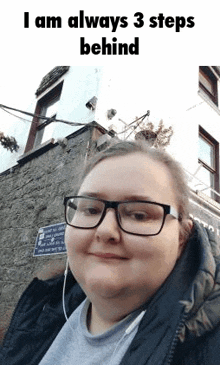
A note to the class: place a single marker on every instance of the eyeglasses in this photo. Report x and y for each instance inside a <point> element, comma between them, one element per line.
<point>142,218</point>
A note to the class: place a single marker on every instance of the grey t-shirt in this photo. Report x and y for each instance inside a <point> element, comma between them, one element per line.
<point>76,345</point>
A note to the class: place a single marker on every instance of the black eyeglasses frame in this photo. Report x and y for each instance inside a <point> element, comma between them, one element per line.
<point>114,204</point>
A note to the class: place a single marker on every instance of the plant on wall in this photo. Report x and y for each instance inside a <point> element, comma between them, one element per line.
<point>157,137</point>
<point>9,143</point>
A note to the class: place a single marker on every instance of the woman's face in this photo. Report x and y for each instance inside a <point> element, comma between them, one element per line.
<point>141,263</point>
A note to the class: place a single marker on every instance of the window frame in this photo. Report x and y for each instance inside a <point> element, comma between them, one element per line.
<point>38,125</point>
<point>207,73</point>
<point>214,170</point>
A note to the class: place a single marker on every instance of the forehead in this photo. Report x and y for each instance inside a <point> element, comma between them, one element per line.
<point>122,177</point>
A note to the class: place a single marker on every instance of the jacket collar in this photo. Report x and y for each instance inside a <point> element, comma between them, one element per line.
<point>202,303</point>
<point>188,296</point>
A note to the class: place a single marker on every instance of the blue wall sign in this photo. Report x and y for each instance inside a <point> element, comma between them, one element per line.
<point>50,240</point>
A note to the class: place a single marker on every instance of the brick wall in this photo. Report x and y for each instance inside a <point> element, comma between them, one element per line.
<point>32,197</point>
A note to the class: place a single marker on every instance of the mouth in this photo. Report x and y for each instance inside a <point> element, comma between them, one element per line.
<point>108,256</point>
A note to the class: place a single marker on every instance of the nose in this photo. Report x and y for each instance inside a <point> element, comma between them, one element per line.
<point>109,230</point>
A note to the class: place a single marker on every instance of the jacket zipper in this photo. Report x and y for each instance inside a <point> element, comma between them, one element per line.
<point>175,339</point>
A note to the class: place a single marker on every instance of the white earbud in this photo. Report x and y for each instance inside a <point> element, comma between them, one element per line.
<point>127,331</point>
<point>64,287</point>
<point>135,322</point>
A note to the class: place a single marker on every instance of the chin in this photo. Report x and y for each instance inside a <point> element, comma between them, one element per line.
<point>105,286</point>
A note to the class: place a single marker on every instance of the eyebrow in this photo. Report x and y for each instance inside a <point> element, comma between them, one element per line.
<point>131,197</point>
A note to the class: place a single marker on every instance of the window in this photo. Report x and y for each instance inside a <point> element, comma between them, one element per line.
<point>208,83</point>
<point>209,161</point>
<point>45,128</point>
<point>41,129</point>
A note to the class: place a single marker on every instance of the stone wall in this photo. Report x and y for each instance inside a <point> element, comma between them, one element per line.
<point>32,197</point>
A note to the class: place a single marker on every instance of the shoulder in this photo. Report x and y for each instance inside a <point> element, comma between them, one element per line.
<point>38,318</point>
<point>45,293</point>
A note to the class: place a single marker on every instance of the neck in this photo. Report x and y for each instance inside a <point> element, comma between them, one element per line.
<point>96,324</point>
<point>102,316</point>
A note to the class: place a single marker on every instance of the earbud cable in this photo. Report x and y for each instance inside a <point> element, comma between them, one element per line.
<point>127,331</point>
<point>64,287</point>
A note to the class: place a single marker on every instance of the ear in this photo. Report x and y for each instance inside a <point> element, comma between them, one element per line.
<point>185,228</point>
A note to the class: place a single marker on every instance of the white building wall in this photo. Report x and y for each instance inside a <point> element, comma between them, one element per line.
<point>170,93</point>
<point>81,83</point>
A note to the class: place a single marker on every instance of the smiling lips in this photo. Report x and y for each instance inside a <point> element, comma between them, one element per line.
<point>108,256</point>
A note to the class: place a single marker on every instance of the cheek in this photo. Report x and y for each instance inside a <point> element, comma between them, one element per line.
<point>158,254</point>
<point>77,242</point>
<point>69,239</point>
<point>76,239</point>
<point>169,249</point>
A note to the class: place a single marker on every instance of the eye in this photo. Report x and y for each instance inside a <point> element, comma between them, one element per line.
<point>91,211</point>
<point>139,216</point>
<point>89,208</point>
<point>141,212</point>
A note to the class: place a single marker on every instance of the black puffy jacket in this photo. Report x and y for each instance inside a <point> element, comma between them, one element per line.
<point>180,327</point>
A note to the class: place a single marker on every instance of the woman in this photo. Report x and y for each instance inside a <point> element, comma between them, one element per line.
<point>143,286</point>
